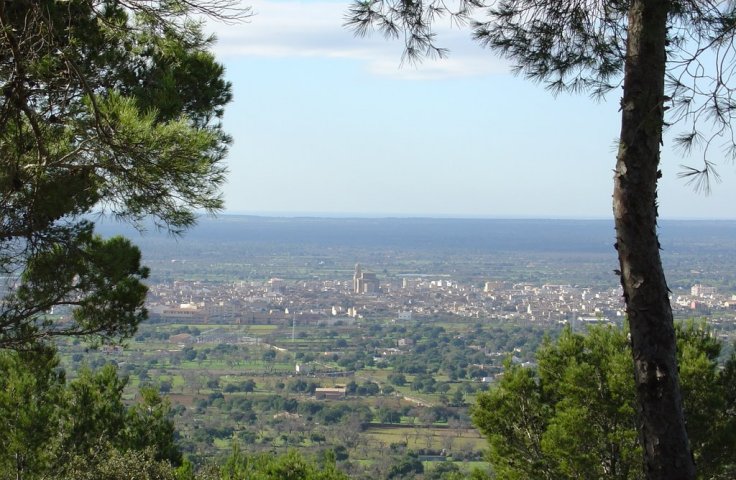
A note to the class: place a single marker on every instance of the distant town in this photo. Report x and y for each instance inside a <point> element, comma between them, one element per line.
<point>326,302</point>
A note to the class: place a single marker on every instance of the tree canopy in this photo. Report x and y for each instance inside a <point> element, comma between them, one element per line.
<point>574,415</point>
<point>56,429</point>
<point>107,107</point>
<point>287,466</point>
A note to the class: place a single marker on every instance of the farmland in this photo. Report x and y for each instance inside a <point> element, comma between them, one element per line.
<point>272,321</point>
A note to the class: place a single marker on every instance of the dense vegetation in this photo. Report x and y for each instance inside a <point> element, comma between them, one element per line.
<point>569,415</point>
<point>109,107</point>
<point>574,414</point>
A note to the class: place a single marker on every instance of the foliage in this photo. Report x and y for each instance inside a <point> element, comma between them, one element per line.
<point>112,464</point>
<point>709,400</point>
<point>56,429</point>
<point>398,379</point>
<point>93,410</point>
<point>574,415</point>
<point>31,388</point>
<point>109,107</point>
<point>406,467</point>
<point>289,466</point>
<point>148,426</point>
<point>581,46</point>
<point>444,471</point>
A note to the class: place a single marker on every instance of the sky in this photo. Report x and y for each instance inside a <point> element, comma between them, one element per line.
<point>327,124</point>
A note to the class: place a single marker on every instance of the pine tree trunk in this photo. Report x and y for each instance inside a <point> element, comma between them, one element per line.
<point>666,450</point>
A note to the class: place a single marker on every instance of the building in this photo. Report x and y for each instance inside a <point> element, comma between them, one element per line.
<point>333,393</point>
<point>276,285</point>
<point>183,312</point>
<point>364,282</point>
<point>699,290</point>
<point>357,279</point>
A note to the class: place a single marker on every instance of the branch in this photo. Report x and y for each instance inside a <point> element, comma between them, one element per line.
<point>18,90</point>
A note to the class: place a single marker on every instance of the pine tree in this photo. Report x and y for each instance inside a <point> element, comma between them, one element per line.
<point>665,54</point>
<point>107,107</point>
<point>574,414</point>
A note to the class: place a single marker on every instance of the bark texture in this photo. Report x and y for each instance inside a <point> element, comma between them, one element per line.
<point>664,438</point>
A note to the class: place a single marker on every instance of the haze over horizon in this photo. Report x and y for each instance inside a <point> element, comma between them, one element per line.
<point>449,216</point>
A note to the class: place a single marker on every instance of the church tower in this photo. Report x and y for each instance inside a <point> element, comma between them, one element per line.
<point>357,279</point>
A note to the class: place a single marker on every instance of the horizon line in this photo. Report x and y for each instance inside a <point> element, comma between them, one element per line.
<point>438,216</point>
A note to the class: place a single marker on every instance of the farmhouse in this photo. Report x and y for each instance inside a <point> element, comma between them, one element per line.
<point>333,393</point>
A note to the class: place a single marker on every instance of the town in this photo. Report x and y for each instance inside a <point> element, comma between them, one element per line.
<point>325,302</point>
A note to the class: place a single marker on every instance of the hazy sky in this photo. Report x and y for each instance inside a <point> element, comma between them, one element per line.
<point>324,123</point>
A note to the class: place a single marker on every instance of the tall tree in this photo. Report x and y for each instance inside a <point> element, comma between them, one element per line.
<point>149,426</point>
<point>107,106</point>
<point>93,411</point>
<point>666,54</point>
<point>574,415</point>
<point>51,429</point>
<point>31,390</point>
